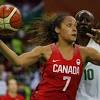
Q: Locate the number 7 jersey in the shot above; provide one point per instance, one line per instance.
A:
(60, 77)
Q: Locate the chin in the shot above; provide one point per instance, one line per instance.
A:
(73, 40)
(70, 41)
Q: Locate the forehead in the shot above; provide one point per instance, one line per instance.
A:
(89, 18)
(12, 81)
(69, 19)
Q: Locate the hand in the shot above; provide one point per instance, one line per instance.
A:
(96, 36)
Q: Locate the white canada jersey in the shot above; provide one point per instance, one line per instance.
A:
(89, 88)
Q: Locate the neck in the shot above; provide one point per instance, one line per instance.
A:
(64, 44)
(12, 94)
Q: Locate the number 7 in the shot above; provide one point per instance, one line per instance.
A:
(68, 79)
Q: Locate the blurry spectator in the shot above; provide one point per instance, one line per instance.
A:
(28, 80)
(2, 2)
(3, 77)
(10, 75)
(17, 44)
(25, 76)
(3, 87)
(12, 93)
(3, 73)
(25, 90)
(35, 80)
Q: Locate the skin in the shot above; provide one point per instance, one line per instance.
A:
(67, 34)
(83, 40)
(12, 87)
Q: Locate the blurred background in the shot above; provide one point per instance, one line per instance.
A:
(29, 78)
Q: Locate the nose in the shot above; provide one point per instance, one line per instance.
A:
(74, 29)
(84, 21)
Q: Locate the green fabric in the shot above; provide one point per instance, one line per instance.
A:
(17, 46)
(2, 2)
(27, 92)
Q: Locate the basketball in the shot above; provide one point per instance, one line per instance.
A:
(10, 19)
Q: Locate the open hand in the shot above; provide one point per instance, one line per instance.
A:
(96, 36)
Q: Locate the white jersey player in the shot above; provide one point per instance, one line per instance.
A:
(89, 88)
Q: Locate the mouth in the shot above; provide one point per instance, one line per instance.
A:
(74, 34)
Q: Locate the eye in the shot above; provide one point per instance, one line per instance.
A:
(69, 25)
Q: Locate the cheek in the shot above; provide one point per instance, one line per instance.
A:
(66, 33)
(10, 87)
(13, 86)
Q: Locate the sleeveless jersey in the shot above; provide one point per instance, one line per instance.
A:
(89, 88)
(60, 77)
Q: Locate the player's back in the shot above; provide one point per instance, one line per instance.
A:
(89, 88)
(60, 77)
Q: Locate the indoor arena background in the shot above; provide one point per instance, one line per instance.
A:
(31, 10)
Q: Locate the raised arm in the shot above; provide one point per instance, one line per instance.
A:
(24, 59)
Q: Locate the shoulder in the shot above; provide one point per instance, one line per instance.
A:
(87, 50)
(37, 48)
(46, 48)
(42, 49)
(46, 51)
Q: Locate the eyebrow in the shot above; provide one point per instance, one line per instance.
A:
(70, 22)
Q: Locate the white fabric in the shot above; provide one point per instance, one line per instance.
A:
(90, 89)
(36, 80)
(3, 87)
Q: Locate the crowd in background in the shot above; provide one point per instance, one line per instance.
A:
(27, 78)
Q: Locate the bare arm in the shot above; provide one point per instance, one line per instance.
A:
(24, 59)
(92, 55)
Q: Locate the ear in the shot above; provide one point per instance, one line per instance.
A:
(57, 30)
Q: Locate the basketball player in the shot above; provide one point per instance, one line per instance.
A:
(89, 88)
(63, 61)
(12, 91)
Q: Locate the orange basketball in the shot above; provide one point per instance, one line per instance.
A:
(10, 19)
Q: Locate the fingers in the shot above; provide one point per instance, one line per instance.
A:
(96, 30)
(90, 35)
(93, 29)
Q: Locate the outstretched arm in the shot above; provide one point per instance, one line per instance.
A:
(92, 55)
(24, 59)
